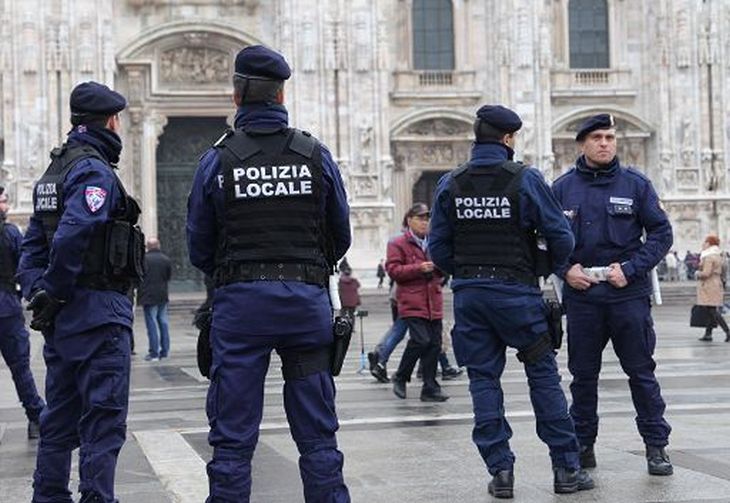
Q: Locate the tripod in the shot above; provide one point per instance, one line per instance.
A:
(363, 359)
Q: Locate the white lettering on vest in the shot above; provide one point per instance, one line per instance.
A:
(487, 207)
(249, 181)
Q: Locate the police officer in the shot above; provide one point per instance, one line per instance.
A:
(610, 206)
(267, 217)
(14, 338)
(483, 232)
(80, 255)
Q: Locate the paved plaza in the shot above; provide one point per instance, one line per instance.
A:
(401, 451)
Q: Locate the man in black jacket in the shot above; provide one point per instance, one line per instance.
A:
(153, 297)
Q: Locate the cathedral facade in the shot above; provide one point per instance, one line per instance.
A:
(391, 86)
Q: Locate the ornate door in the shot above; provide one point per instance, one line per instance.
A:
(181, 144)
(425, 186)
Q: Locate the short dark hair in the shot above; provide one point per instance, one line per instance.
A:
(90, 120)
(484, 132)
(252, 89)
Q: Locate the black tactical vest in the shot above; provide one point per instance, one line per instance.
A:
(7, 261)
(114, 259)
(273, 225)
(488, 240)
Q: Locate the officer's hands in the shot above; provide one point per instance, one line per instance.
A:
(578, 279)
(427, 267)
(616, 276)
(45, 308)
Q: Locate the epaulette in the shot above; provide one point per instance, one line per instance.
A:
(460, 170)
(635, 171)
(303, 143)
(570, 171)
(228, 133)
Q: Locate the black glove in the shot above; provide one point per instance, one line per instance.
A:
(45, 308)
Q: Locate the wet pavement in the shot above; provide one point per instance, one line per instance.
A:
(405, 450)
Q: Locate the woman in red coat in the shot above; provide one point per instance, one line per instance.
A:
(420, 303)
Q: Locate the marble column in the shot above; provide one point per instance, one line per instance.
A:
(152, 128)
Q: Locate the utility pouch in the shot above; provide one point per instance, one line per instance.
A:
(554, 313)
(135, 264)
(117, 246)
(342, 331)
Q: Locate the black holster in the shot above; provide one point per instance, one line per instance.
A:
(554, 313)
(204, 352)
(342, 331)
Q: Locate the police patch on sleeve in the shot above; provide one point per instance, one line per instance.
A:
(95, 198)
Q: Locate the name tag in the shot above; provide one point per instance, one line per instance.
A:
(621, 200)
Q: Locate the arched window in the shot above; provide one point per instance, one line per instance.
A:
(588, 21)
(433, 35)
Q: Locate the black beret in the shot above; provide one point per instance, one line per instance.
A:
(600, 121)
(92, 98)
(500, 118)
(260, 61)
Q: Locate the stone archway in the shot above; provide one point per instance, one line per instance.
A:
(633, 141)
(178, 72)
(423, 147)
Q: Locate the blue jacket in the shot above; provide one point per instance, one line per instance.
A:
(609, 210)
(538, 210)
(262, 307)
(57, 268)
(10, 302)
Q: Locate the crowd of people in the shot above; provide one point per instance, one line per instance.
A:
(83, 252)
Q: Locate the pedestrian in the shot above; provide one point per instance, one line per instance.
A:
(276, 195)
(672, 266)
(154, 297)
(14, 338)
(380, 273)
(610, 207)
(710, 287)
(81, 254)
(379, 356)
(420, 303)
(485, 218)
(349, 290)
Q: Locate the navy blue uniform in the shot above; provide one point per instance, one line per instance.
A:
(14, 338)
(250, 319)
(609, 210)
(87, 352)
(491, 314)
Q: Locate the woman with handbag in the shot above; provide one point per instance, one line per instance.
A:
(710, 287)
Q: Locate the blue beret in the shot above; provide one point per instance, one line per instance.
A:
(92, 98)
(500, 118)
(600, 121)
(260, 61)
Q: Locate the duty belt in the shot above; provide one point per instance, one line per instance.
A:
(102, 283)
(492, 272)
(249, 271)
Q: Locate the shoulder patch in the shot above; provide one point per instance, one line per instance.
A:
(95, 197)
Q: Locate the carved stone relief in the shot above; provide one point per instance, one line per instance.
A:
(308, 44)
(30, 43)
(439, 128)
(688, 178)
(363, 43)
(666, 168)
(194, 65)
(436, 154)
(683, 41)
(86, 50)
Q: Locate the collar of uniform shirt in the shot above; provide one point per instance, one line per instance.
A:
(490, 152)
(106, 141)
(608, 170)
(261, 115)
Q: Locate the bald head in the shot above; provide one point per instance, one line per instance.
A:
(153, 244)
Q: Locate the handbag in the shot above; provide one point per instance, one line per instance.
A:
(701, 316)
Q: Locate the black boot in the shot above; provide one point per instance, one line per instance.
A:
(399, 388)
(706, 338)
(434, 396)
(657, 461)
(566, 481)
(502, 485)
(587, 456)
